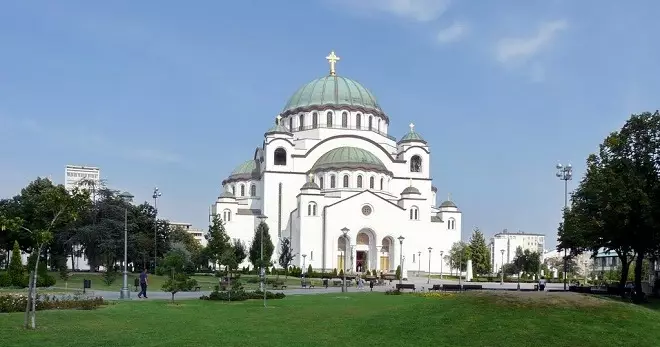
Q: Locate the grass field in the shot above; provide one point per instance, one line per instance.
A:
(356, 319)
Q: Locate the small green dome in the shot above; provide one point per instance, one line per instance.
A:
(333, 91)
(412, 136)
(310, 185)
(245, 171)
(278, 129)
(448, 204)
(411, 190)
(226, 194)
(349, 158)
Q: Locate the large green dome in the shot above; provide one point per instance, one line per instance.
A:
(349, 158)
(248, 170)
(333, 91)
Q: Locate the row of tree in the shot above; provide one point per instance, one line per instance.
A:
(616, 206)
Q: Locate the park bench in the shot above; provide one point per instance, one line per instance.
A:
(436, 287)
(451, 287)
(400, 286)
(279, 285)
(307, 285)
(472, 287)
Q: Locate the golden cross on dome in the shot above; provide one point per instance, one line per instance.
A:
(332, 59)
(411, 125)
(311, 177)
(279, 119)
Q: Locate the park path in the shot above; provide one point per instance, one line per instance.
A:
(420, 284)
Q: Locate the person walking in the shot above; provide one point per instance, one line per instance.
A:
(542, 284)
(144, 281)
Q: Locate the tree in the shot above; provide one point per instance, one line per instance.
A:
(240, 251)
(255, 247)
(286, 255)
(218, 240)
(174, 263)
(15, 270)
(459, 254)
(480, 253)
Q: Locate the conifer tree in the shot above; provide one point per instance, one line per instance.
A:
(480, 253)
(16, 271)
(255, 246)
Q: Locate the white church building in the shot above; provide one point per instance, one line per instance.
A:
(329, 177)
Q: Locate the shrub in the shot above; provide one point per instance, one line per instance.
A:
(5, 280)
(310, 270)
(109, 276)
(397, 274)
(241, 295)
(17, 302)
(16, 272)
(393, 292)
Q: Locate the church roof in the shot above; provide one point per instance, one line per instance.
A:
(448, 203)
(310, 185)
(249, 169)
(349, 158)
(412, 136)
(278, 129)
(411, 190)
(335, 91)
(226, 194)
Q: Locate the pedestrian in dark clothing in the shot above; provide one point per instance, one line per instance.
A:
(144, 281)
(371, 285)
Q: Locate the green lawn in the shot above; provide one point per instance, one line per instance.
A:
(356, 319)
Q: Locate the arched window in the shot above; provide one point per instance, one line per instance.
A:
(253, 190)
(378, 124)
(328, 121)
(344, 120)
(290, 123)
(359, 181)
(226, 216)
(381, 183)
(358, 121)
(372, 182)
(280, 156)
(301, 122)
(414, 213)
(451, 224)
(345, 181)
(233, 190)
(416, 164)
(315, 120)
(321, 182)
(311, 209)
(371, 121)
(333, 184)
(242, 190)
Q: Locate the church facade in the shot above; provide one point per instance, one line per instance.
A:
(329, 177)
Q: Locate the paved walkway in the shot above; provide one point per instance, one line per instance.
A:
(420, 284)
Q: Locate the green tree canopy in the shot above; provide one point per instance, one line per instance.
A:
(479, 252)
(255, 247)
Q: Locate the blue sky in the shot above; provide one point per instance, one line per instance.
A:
(162, 93)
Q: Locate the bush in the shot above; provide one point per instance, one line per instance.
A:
(16, 272)
(109, 277)
(17, 302)
(241, 295)
(393, 292)
(397, 274)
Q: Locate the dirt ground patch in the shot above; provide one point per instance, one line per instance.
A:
(541, 299)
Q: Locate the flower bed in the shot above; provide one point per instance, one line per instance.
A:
(17, 302)
(241, 295)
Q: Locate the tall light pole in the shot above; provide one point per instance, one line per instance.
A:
(429, 275)
(262, 271)
(502, 267)
(419, 262)
(401, 238)
(303, 269)
(125, 293)
(442, 261)
(344, 232)
(565, 173)
(156, 195)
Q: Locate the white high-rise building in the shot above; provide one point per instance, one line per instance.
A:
(75, 174)
(508, 242)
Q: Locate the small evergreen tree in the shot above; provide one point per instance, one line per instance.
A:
(479, 252)
(397, 274)
(255, 247)
(310, 271)
(16, 271)
(286, 255)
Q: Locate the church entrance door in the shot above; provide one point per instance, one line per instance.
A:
(361, 263)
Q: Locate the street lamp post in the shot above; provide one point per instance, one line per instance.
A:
(262, 218)
(442, 261)
(502, 267)
(125, 293)
(419, 262)
(344, 232)
(565, 173)
(304, 256)
(401, 238)
(156, 195)
(429, 275)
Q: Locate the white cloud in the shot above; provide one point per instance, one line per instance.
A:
(417, 10)
(452, 33)
(509, 49)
